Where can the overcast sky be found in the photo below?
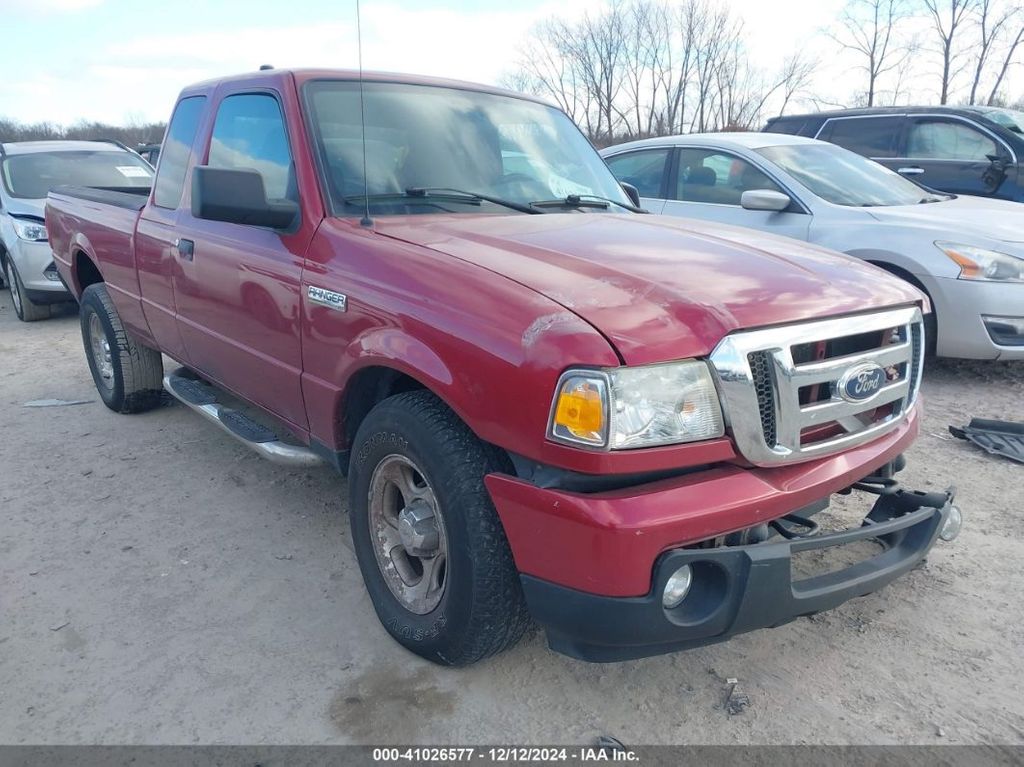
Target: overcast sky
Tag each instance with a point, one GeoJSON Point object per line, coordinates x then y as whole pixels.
{"type": "Point", "coordinates": [118, 60]}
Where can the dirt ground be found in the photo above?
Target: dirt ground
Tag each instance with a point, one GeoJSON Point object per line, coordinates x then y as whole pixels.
{"type": "Point", "coordinates": [161, 584]}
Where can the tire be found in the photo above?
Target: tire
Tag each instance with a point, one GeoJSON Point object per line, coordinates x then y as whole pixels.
{"type": "Point", "coordinates": [128, 375]}
{"type": "Point", "coordinates": [480, 610]}
{"type": "Point", "coordinates": [25, 309]}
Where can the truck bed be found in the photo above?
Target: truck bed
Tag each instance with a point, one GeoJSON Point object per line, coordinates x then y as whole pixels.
{"type": "Point", "coordinates": [100, 223]}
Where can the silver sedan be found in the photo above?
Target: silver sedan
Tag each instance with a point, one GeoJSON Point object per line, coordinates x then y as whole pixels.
{"type": "Point", "coordinates": [966, 253]}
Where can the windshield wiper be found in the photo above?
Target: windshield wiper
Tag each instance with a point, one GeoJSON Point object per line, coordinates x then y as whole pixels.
{"type": "Point", "coordinates": [444, 191]}
{"type": "Point", "coordinates": [584, 201]}
{"type": "Point", "coordinates": [429, 194]}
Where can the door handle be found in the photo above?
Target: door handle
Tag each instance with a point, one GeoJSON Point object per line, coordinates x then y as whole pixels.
{"type": "Point", "coordinates": [186, 249]}
{"type": "Point", "coordinates": [911, 171]}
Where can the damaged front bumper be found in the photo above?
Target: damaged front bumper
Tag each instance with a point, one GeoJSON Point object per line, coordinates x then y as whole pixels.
{"type": "Point", "coordinates": [735, 589]}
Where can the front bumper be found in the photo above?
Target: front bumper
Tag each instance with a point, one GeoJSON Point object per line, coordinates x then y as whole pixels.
{"type": "Point", "coordinates": [736, 589]}
{"type": "Point", "coordinates": [32, 260]}
{"type": "Point", "coordinates": [963, 305]}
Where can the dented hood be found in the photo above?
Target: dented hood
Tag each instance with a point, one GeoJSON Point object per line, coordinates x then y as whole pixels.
{"type": "Point", "coordinates": [659, 288]}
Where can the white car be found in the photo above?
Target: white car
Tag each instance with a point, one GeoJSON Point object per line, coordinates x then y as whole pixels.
{"type": "Point", "coordinates": [28, 170]}
{"type": "Point", "coordinates": [966, 253]}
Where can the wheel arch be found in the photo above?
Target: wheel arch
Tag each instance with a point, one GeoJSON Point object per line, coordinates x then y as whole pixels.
{"type": "Point", "coordinates": [84, 271]}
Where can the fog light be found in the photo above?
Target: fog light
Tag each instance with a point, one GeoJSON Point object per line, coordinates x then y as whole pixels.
{"type": "Point", "coordinates": [1005, 331]}
{"type": "Point", "coordinates": [677, 587]}
{"type": "Point", "coordinates": [50, 273]}
{"type": "Point", "coordinates": [951, 527]}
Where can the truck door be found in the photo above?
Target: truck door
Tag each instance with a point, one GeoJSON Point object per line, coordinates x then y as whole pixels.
{"type": "Point", "coordinates": [156, 233]}
{"type": "Point", "coordinates": [237, 288]}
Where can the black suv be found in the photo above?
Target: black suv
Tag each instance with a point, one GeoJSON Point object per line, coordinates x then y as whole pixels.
{"type": "Point", "coordinates": [963, 150]}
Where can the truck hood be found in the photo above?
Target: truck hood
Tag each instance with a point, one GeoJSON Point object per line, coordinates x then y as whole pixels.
{"type": "Point", "coordinates": [659, 288]}
{"type": "Point", "coordinates": [980, 218]}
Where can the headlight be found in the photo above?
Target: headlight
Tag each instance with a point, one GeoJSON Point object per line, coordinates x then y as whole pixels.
{"type": "Point", "coordinates": [982, 264]}
{"type": "Point", "coordinates": [645, 406]}
{"type": "Point", "coordinates": [27, 229]}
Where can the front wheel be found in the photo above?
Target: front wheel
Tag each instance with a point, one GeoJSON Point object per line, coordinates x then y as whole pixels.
{"type": "Point", "coordinates": [430, 546]}
{"type": "Point", "coordinates": [25, 308]}
{"type": "Point", "coordinates": [128, 375]}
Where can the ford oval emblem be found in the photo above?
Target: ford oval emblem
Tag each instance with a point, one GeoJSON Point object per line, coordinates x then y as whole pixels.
{"type": "Point", "coordinates": [862, 382]}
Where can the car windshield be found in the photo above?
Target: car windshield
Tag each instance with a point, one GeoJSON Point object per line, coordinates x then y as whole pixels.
{"type": "Point", "coordinates": [33, 175]}
{"type": "Point", "coordinates": [459, 151]}
{"type": "Point", "coordinates": [1008, 118]}
{"type": "Point", "coordinates": [845, 178]}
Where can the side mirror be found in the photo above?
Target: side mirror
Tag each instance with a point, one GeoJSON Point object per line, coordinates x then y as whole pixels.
{"type": "Point", "coordinates": [632, 193]}
{"type": "Point", "coordinates": [765, 199]}
{"type": "Point", "coordinates": [238, 197]}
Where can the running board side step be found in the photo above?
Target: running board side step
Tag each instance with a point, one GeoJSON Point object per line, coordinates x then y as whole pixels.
{"type": "Point", "coordinates": [202, 398]}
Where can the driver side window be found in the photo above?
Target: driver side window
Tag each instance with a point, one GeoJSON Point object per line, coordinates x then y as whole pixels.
{"type": "Point", "coordinates": [717, 178]}
{"type": "Point", "coordinates": [644, 169]}
{"type": "Point", "coordinates": [948, 140]}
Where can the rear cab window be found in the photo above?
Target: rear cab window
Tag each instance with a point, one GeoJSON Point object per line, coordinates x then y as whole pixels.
{"type": "Point", "coordinates": [177, 147]}
{"type": "Point", "coordinates": [867, 136]}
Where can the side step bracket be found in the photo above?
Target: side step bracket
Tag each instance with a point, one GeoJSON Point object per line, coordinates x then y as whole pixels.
{"type": "Point", "coordinates": [202, 398]}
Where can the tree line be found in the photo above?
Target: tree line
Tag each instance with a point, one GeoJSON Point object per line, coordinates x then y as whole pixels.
{"type": "Point", "coordinates": [656, 67]}
{"type": "Point", "coordinates": [132, 135]}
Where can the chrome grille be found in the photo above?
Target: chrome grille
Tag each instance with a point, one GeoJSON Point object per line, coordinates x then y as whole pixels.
{"type": "Point", "coordinates": [785, 404]}
{"type": "Point", "coordinates": [761, 370]}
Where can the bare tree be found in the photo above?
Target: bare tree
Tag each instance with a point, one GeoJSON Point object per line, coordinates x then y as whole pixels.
{"type": "Point", "coordinates": [871, 29]}
{"type": "Point", "coordinates": [948, 17]}
{"type": "Point", "coordinates": [646, 67]}
{"type": "Point", "coordinates": [1008, 59]}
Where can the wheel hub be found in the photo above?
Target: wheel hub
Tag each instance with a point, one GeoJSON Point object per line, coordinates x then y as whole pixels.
{"type": "Point", "coordinates": [417, 529]}
{"type": "Point", "coordinates": [101, 351]}
{"type": "Point", "coordinates": [408, 535]}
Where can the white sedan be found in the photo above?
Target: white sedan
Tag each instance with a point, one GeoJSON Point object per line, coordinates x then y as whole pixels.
{"type": "Point", "coordinates": [966, 253]}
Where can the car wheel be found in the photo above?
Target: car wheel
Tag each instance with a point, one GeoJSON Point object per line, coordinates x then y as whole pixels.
{"type": "Point", "coordinates": [24, 307]}
{"type": "Point", "coordinates": [430, 546]}
{"type": "Point", "coordinates": [128, 375]}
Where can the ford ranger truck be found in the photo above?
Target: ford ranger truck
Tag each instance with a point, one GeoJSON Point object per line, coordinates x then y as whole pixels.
{"type": "Point", "coordinates": [550, 407]}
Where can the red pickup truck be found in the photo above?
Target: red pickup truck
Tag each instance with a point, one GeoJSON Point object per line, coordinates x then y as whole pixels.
{"type": "Point", "coordinates": [549, 406]}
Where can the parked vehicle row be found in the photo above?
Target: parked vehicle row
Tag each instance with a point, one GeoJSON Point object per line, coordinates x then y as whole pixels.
{"type": "Point", "coordinates": [550, 405]}
{"type": "Point", "coordinates": [970, 150]}
{"type": "Point", "coordinates": [966, 253]}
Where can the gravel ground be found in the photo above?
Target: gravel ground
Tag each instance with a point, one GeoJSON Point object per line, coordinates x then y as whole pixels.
{"type": "Point", "coordinates": [161, 584]}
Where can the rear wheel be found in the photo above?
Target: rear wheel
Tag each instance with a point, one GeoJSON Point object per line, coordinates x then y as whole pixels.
{"type": "Point", "coordinates": [24, 307]}
{"type": "Point", "coordinates": [430, 546]}
{"type": "Point", "coordinates": [128, 375]}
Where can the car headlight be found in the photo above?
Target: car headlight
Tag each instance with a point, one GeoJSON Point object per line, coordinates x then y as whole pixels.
{"type": "Point", "coordinates": [982, 264]}
{"type": "Point", "coordinates": [621, 408]}
{"type": "Point", "coordinates": [28, 229]}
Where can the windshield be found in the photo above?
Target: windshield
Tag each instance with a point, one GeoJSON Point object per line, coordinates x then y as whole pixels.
{"type": "Point", "coordinates": [33, 175]}
{"type": "Point", "coordinates": [845, 178]}
{"type": "Point", "coordinates": [427, 137]}
{"type": "Point", "coordinates": [1008, 118]}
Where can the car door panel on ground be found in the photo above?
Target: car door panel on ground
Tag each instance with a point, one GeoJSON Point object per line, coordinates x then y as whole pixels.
{"type": "Point", "coordinates": [254, 303]}
{"type": "Point", "coordinates": [709, 183]}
